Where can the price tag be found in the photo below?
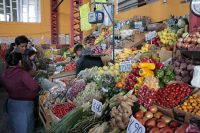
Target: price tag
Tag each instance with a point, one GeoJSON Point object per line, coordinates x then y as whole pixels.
{"type": "Point", "coordinates": [150, 35]}
{"type": "Point", "coordinates": [125, 66]}
{"type": "Point", "coordinates": [97, 106]}
{"type": "Point", "coordinates": [138, 25]}
{"type": "Point", "coordinates": [135, 126]}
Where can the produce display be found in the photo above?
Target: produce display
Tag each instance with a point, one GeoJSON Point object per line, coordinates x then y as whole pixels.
{"type": "Point", "coordinates": [141, 83]}
{"type": "Point", "coordinates": [59, 59]}
{"type": "Point", "coordinates": [120, 114]}
{"type": "Point", "coordinates": [191, 105]}
{"type": "Point", "coordinates": [183, 69]}
{"type": "Point", "coordinates": [90, 92]}
{"type": "Point", "coordinates": [70, 67]}
{"type": "Point", "coordinates": [173, 94]}
{"type": "Point", "coordinates": [167, 37]}
{"type": "Point", "coordinates": [61, 110]}
{"type": "Point", "coordinates": [76, 87]}
{"type": "Point", "coordinates": [165, 75]}
{"type": "Point", "coordinates": [156, 122]}
{"type": "Point", "coordinates": [189, 41]}
{"type": "Point", "coordinates": [146, 96]}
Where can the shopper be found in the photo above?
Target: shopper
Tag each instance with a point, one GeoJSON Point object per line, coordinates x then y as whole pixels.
{"type": "Point", "coordinates": [29, 64]}
{"type": "Point", "coordinates": [21, 43]}
{"type": "Point", "coordinates": [22, 91]}
{"type": "Point", "coordinates": [10, 49]}
{"type": "Point", "coordinates": [78, 49]}
{"type": "Point", "coordinates": [87, 60]}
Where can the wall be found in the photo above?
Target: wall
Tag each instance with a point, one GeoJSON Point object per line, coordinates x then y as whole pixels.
{"type": "Point", "coordinates": [157, 10]}
{"type": "Point", "coordinates": [42, 29]}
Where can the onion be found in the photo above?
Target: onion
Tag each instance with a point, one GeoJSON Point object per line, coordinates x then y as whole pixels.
{"type": "Point", "coordinates": [185, 45]}
{"type": "Point", "coordinates": [139, 114]}
{"type": "Point", "coordinates": [194, 41]}
{"type": "Point", "coordinates": [140, 120]}
{"type": "Point", "coordinates": [153, 109]}
{"type": "Point", "coordinates": [167, 119]}
{"type": "Point", "coordinates": [155, 130]}
{"type": "Point", "coordinates": [158, 115]}
{"type": "Point", "coordinates": [180, 40]}
{"type": "Point", "coordinates": [179, 44]}
{"type": "Point", "coordinates": [150, 122]}
{"type": "Point", "coordinates": [161, 123]}
{"type": "Point", "coordinates": [148, 115]}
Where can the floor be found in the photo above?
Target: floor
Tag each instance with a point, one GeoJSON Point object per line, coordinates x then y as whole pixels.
{"type": "Point", "coordinates": [4, 119]}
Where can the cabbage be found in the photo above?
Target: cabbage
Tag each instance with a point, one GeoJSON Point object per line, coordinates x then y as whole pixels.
{"type": "Point", "coordinates": [181, 23]}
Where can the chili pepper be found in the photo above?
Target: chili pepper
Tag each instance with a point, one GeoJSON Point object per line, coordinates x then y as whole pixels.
{"type": "Point", "coordinates": [150, 66]}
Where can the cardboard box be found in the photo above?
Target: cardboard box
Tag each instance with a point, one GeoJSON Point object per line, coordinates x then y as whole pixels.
{"type": "Point", "coordinates": [187, 117]}
{"type": "Point", "coordinates": [164, 55]}
{"type": "Point", "coordinates": [137, 40]}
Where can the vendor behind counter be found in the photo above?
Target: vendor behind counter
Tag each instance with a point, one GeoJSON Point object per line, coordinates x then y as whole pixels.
{"type": "Point", "coordinates": [88, 60]}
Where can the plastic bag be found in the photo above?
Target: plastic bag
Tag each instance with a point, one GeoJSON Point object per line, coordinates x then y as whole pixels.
{"type": "Point", "coordinates": [196, 75]}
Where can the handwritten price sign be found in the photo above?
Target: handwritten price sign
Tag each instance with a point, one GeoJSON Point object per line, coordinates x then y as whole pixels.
{"type": "Point", "coordinates": [134, 126]}
{"type": "Point", "coordinates": [97, 106]}
{"type": "Point", "coordinates": [150, 35]}
{"type": "Point", "coordinates": [125, 66]}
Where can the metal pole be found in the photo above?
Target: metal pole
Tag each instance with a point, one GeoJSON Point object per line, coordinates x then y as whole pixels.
{"type": "Point", "coordinates": [113, 39]}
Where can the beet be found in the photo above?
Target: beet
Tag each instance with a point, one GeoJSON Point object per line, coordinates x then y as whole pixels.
{"type": "Point", "coordinates": [183, 66]}
{"type": "Point", "coordinates": [190, 67]}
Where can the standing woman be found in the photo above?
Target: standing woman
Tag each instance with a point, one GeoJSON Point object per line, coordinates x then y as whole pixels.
{"type": "Point", "coordinates": [22, 90]}
{"type": "Point", "coordinates": [29, 64]}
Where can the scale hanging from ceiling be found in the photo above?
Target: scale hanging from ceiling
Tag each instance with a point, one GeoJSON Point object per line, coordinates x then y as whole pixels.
{"type": "Point", "coordinates": [195, 7]}
{"type": "Point", "coordinates": [194, 16]}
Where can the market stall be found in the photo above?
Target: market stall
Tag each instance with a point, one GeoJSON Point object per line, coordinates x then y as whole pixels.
{"type": "Point", "coordinates": [137, 90]}
{"type": "Point", "coordinates": [152, 86]}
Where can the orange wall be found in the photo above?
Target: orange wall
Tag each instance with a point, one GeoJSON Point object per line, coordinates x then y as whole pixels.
{"type": "Point", "coordinates": [42, 29]}
{"type": "Point", "coordinates": [157, 10]}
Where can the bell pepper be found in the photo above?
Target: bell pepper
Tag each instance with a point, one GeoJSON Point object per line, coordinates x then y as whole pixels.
{"type": "Point", "coordinates": [161, 84]}
{"type": "Point", "coordinates": [159, 66]}
{"type": "Point", "coordinates": [145, 72]}
{"type": "Point", "coordinates": [134, 65]}
{"type": "Point", "coordinates": [160, 73]}
{"type": "Point", "coordinates": [140, 80]}
{"type": "Point", "coordinates": [148, 60]}
{"type": "Point", "coordinates": [172, 76]}
{"type": "Point", "coordinates": [150, 66]}
{"type": "Point", "coordinates": [137, 86]}
{"type": "Point", "coordinates": [166, 79]}
{"type": "Point", "coordinates": [168, 70]}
